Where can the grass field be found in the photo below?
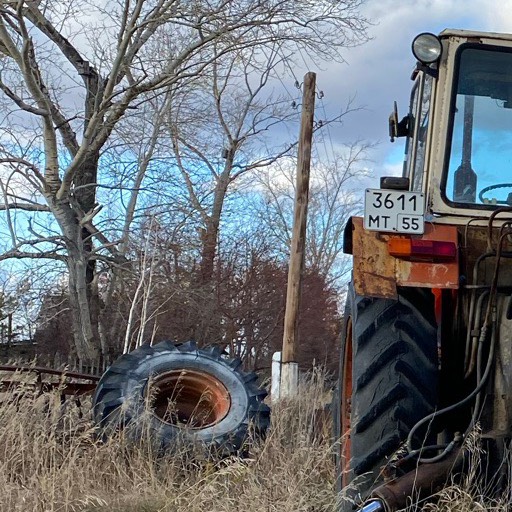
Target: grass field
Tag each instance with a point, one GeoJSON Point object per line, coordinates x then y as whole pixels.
{"type": "Point", "coordinates": [50, 461]}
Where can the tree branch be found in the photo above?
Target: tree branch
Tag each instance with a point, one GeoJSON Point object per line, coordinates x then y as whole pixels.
{"type": "Point", "coordinates": [16, 99]}
{"type": "Point", "coordinates": [16, 254]}
{"type": "Point", "coordinates": [28, 207]}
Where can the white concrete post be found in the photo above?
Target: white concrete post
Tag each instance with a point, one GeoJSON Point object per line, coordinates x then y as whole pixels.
{"type": "Point", "coordinates": [275, 385]}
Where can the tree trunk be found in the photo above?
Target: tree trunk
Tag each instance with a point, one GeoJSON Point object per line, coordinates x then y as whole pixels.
{"type": "Point", "coordinates": [112, 321]}
{"type": "Point", "coordinates": [77, 261]}
{"type": "Point", "coordinates": [85, 195]}
{"type": "Point", "coordinates": [86, 342]}
{"type": "Point", "coordinates": [209, 250]}
{"type": "Point", "coordinates": [211, 234]}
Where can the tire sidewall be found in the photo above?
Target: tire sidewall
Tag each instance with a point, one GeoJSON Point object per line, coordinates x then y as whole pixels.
{"type": "Point", "coordinates": [135, 387]}
{"type": "Point", "coordinates": [340, 468]}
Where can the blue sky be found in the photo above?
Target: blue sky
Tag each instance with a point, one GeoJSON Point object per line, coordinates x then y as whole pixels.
{"type": "Point", "coordinates": [378, 72]}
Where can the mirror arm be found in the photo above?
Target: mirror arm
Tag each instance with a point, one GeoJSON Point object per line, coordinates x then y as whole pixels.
{"type": "Point", "coordinates": [433, 72]}
{"type": "Point", "coordinates": [399, 129]}
{"type": "Point", "coordinates": [403, 127]}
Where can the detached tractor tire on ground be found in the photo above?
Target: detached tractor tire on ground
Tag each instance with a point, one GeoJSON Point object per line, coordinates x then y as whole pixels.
{"type": "Point", "coordinates": [388, 382]}
{"type": "Point", "coordinates": [185, 394]}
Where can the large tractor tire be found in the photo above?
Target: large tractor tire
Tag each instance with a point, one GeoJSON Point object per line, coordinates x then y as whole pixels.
{"type": "Point", "coordinates": [388, 382]}
{"type": "Point", "coordinates": [185, 394]}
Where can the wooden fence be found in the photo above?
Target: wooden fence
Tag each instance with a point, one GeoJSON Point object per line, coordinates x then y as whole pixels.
{"type": "Point", "coordinates": [97, 367]}
{"type": "Point", "coordinates": [26, 353]}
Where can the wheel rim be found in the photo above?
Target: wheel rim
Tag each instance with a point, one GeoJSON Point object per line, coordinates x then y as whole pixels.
{"type": "Point", "coordinates": [188, 398]}
{"type": "Point", "coordinates": [345, 409]}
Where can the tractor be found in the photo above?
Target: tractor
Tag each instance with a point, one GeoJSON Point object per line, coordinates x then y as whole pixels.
{"type": "Point", "coordinates": [426, 347]}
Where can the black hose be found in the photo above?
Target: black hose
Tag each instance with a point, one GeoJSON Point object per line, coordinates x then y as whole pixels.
{"type": "Point", "coordinates": [489, 321]}
{"type": "Point", "coordinates": [452, 407]}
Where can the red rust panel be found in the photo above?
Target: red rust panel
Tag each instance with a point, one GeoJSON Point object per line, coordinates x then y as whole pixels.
{"type": "Point", "coordinates": [431, 275]}
{"type": "Point", "coordinates": [374, 268]}
{"type": "Point", "coordinates": [377, 273]}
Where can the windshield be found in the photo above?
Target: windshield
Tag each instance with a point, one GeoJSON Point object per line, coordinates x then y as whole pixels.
{"type": "Point", "coordinates": [480, 157]}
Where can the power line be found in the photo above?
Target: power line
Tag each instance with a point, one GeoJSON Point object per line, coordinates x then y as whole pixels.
{"type": "Point", "coordinates": [326, 129]}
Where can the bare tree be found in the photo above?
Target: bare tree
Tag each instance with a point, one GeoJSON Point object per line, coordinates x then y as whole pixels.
{"type": "Point", "coordinates": [333, 199]}
{"type": "Point", "coordinates": [70, 72]}
{"type": "Point", "coordinates": [234, 129]}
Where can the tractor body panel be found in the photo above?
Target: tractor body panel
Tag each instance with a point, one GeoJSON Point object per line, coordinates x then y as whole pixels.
{"type": "Point", "coordinates": [377, 274]}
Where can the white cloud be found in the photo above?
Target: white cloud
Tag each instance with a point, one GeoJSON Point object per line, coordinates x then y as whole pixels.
{"type": "Point", "coordinates": [378, 72]}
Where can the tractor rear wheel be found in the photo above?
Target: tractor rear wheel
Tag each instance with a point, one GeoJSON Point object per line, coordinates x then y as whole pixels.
{"type": "Point", "coordinates": [388, 382]}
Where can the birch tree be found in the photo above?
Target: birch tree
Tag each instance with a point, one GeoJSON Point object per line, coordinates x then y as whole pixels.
{"type": "Point", "coordinates": [71, 72]}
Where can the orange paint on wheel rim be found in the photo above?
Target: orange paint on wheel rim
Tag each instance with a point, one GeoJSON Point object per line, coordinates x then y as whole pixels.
{"type": "Point", "coordinates": [189, 398]}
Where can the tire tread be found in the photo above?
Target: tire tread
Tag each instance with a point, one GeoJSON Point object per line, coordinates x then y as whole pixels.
{"type": "Point", "coordinates": [395, 374]}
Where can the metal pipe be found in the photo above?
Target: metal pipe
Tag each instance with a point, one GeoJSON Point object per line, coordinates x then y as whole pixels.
{"type": "Point", "coordinates": [469, 364]}
{"type": "Point", "coordinates": [49, 371]}
{"type": "Point", "coordinates": [373, 506]}
{"type": "Point", "coordinates": [507, 209]}
{"type": "Point", "coordinates": [421, 482]}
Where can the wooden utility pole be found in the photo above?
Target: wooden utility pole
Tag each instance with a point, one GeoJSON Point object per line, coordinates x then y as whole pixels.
{"type": "Point", "coordinates": [289, 373]}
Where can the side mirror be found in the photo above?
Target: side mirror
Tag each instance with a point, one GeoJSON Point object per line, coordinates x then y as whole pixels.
{"type": "Point", "coordinates": [398, 129]}
{"type": "Point", "coordinates": [393, 123]}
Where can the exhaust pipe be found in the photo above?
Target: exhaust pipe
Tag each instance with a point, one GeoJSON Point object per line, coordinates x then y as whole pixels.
{"type": "Point", "coordinates": [373, 506]}
{"type": "Point", "coordinates": [421, 482]}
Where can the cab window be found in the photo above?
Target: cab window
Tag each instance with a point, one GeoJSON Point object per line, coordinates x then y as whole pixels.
{"type": "Point", "coordinates": [419, 114]}
{"type": "Point", "coordinates": [478, 169]}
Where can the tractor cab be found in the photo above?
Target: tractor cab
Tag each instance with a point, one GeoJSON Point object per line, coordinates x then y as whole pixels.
{"type": "Point", "coordinates": [426, 356]}
{"type": "Point", "coordinates": [459, 136]}
{"type": "Point", "coordinates": [457, 167]}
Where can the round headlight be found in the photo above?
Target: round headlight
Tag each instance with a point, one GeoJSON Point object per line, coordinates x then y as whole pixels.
{"type": "Point", "coordinates": [426, 48]}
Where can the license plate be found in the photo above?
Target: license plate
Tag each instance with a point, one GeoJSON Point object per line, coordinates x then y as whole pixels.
{"type": "Point", "coordinates": [394, 211]}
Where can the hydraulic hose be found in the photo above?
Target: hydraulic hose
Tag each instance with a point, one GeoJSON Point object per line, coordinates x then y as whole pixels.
{"type": "Point", "coordinates": [489, 322]}
{"type": "Point", "coordinates": [450, 408]}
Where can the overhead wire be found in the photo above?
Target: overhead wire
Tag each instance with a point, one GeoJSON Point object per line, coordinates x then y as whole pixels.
{"type": "Point", "coordinates": [320, 95]}
{"type": "Point", "coordinates": [325, 132]}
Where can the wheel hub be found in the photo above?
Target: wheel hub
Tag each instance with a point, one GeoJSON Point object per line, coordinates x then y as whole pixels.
{"type": "Point", "coordinates": [188, 398]}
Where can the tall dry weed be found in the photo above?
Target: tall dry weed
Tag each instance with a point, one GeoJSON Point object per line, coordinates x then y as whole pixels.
{"type": "Point", "coordinates": [51, 461]}
{"type": "Point", "coordinates": [473, 492]}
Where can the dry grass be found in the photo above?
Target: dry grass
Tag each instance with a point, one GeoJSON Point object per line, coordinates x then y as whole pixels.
{"type": "Point", "coordinates": [472, 493]}
{"type": "Point", "coordinates": [50, 461]}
